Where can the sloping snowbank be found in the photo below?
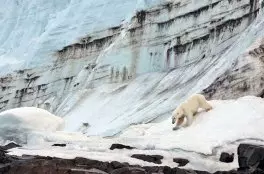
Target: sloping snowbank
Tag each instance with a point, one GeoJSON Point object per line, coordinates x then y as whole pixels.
{"type": "Point", "coordinates": [18, 124]}
{"type": "Point", "coordinates": [110, 108]}
{"type": "Point", "coordinates": [229, 123]}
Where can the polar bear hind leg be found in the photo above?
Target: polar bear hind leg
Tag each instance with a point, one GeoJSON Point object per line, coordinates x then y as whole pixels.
{"type": "Point", "coordinates": [204, 104]}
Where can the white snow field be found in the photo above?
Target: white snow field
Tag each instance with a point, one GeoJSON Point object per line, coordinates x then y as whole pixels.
{"type": "Point", "coordinates": [229, 122]}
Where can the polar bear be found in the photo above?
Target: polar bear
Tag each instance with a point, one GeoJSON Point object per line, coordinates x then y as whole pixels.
{"type": "Point", "coordinates": [188, 109]}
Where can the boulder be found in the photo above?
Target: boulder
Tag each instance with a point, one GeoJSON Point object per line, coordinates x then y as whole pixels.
{"type": "Point", "coordinates": [120, 146]}
{"type": "Point", "coordinates": [149, 158]}
{"type": "Point", "coordinates": [226, 157]}
{"type": "Point", "coordinates": [182, 162]}
{"type": "Point", "coordinates": [250, 157]}
{"type": "Point", "coordinates": [59, 145]}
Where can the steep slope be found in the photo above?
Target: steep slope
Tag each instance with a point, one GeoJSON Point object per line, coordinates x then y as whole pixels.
{"type": "Point", "coordinates": [136, 71]}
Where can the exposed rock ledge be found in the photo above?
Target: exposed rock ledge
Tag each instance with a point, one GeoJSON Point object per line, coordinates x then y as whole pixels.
{"type": "Point", "coordinates": [250, 159]}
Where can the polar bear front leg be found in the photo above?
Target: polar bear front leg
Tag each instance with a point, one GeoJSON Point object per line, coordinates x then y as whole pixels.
{"type": "Point", "coordinates": [207, 106]}
{"type": "Point", "coordinates": [189, 119]}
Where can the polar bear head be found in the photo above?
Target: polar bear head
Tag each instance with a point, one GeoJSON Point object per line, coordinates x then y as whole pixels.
{"type": "Point", "coordinates": [178, 116]}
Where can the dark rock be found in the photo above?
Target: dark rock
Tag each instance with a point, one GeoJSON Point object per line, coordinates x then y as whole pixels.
{"type": "Point", "coordinates": [4, 168]}
{"type": "Point", "coordinates": [250, 157]}
{"type": "Point", "coordinates": [90, 171]}
{"type": "Point", "coordinates": [153, 169]}
{"type": "Point", "coordinates": [168, 170]}
{"type": "Point", "coordinates": [59, 145]}
{"type": "Point", "coordinates": [120, 146]}
{"type": "Point", "coordinates": [129, 170]}
{"type": "Point", "coordinates": [4, 158]}
{"type": "Point", "coordinates": [201, 172]}
{"type": "Point", "coordinates": [117, 165]}
{"type": "Point", "coordinates": [230, 172]}
{"type": "Point", "coordinates": [9, 146]}
{"type": "Point", "coordinates": [149, 158]}
{"type": "Point", "coordinates": [226, 158]}
{"type": "Point", "coordinates": [182, 162]}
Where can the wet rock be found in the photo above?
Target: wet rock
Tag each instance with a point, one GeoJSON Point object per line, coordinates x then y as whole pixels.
{"type": "Point", "coordinates": [90, 171]}
{"type": "Point", "coordinates": [149, 158]}
{"type": "Point", "coordinates": [168, 170]}
{"type": "Point", "coordinates": [182, 162]}
{"type": "Point", "coordinates": [129, 170]}
{"type": "Point", "coordinates": [226, 157]}
{"type": "Point", "coordinates": [120, 146]}
{"type": "Point", "coordinates": [250, 157]}
{"type": "Point", "coordinates": [59, 145]}
{"type": "Point", "coordinates": [116, 164]}
{"type": "Point", "coordinates": [231, 172]}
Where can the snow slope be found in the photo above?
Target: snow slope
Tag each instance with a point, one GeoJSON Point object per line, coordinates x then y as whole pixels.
{"type": "Point", "coordinates": [229, 123]}
{"type": "Point", "coordinates": [109, 108]}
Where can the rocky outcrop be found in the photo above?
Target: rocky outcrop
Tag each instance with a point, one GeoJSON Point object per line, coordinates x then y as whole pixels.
{"type": "Point", "coordinates": [40, 165]}
{"type": "Point", "coordinates": [250, 159]}
{"type": "Point", "coordinates": [244, 78]}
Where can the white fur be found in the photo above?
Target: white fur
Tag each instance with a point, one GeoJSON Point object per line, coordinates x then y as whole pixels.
{"type": "Point", "coordinates": [188, 109]}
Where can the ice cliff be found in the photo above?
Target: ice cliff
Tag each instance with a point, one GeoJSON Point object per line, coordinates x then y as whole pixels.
{"type": "Point", "coordinates": [113, 63]}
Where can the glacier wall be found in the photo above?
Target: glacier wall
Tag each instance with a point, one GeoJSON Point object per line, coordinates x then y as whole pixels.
{"type": "Point", "coordinates": [31, 30]}
{"type": "Point", "coordinates": [137, 70]}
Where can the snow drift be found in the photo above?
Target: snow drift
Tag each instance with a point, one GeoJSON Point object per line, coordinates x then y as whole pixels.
{"type": "Point", "coordinates": [18, 124]}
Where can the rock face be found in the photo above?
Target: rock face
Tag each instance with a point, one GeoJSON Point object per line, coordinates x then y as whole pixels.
{"type": "Point", "coordinates": [166, 37]}
{"type": "Point", "coordinates": [245, 77]}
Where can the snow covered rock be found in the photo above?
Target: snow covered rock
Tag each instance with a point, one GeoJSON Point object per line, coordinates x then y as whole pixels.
{"type": "Point", "coordinates": [17, 124]}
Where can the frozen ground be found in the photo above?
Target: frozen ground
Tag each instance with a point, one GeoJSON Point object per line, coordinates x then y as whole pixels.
{"type": "Point", "coordinates": [229, 123]}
